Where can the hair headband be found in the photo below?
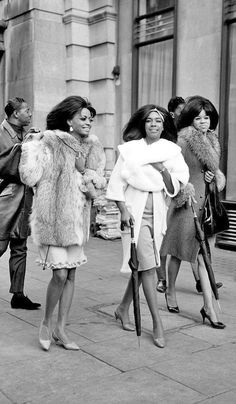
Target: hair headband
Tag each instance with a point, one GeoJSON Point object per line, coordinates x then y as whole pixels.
{"type": "Point", "coordinates": [158, 112]}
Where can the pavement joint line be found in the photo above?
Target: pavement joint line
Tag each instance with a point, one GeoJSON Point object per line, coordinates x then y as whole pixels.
{"type": "Point", "coordinates": [205, 396]}
{"type": "Point", "coordinates": [8, 398]}
{"type": "Point", "coordinates": [101, 360]}
{"type": "Point", "coordinates": [19, 318]}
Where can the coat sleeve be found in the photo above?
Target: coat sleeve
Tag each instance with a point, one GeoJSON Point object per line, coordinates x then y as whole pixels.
{"type": "Point", "coordinates": [187, 189]}
{"type": "Point", "coordinates": [95, 166]}
{"type": "Point", "coordinates": [117, 186]}
{"type": "Point", "coordinates": [34, 159]}
{"type": "Point", "coordinates": [179, 174]}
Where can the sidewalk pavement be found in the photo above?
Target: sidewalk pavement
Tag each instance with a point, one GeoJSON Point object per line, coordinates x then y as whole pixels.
{"type": "Point", "coordinates": [198, 364]}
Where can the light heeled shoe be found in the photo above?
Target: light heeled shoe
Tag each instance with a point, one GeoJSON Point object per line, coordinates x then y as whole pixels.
{"type": "Point", "coordinates": [44, 343]}
{"type": "Point", "coordinates": [125, 326]}
{"type": "Point", "coordinates": [159, 342]}
{"type": "Point", "coordinates": [72, 346]}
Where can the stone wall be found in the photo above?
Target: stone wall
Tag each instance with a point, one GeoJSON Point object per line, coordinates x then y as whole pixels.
{"type": "Point", "coordinates": [199, 48]}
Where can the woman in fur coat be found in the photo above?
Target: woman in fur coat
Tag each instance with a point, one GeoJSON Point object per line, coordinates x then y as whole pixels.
{"type": "Point", "coordinates": [201, 150]}
{"type": "Point", "coordinates": [149, 171]}
{"type": "Point", "coordinates": [65, 166]}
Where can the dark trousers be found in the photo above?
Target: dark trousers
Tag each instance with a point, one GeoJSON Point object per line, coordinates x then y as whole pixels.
{"type": "Point", "coordinates": [17, 262]}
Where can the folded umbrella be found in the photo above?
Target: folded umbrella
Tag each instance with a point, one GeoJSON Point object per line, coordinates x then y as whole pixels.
{"type": "Point", "coordinates": [133, 263]}
{"type": "Point", "coordinates": [205, 252]}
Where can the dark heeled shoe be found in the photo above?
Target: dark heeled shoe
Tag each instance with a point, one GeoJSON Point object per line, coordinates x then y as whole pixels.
{"type": "Point", "coordinates": [172, 309]}
{"type": "Point", "coordinates": [218, 324]}
{"type": "Point", "coordinates": [161, 286]}
{"type": "Point", "coordinates": [127, 326]}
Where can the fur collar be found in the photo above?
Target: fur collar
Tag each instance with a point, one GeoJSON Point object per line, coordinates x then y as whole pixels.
{"type": "Point", "coordinates": [205, 147]}
{"type": "Point", "coordinates": [80, 146]}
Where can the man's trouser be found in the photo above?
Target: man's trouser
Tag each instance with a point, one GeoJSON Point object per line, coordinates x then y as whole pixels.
{"type": "Point", "coordinates": [17, 262]}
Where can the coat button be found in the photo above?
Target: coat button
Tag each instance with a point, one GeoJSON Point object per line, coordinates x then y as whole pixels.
{"type": "Point", "coordinates": [202, 171]}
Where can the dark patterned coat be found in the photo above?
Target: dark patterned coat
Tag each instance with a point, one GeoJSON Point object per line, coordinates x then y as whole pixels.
{"type": "Point", "coordinates": [15, 199]}
{"type": "Point", "coordinates": [201, 153]}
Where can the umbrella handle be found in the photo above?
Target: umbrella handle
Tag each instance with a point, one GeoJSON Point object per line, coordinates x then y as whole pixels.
{"type": "Point", "coordinates": [131, 228]}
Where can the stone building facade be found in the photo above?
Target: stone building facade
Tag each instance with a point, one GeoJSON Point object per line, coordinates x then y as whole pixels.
{"type": "Point", "coordinates": [121, 54]}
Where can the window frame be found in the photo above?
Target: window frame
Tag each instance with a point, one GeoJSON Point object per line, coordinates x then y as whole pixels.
{"type": "Point", "coordinates": [135, 48]}
{"type": "Point", "coordinates": [227, 20]}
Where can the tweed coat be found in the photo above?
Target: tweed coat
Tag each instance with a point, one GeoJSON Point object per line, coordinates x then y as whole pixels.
{"type": "Point", "coordinates": [16, 198]}
{"type": "Point", "coordinates": [48, 163]}
{"type": "Point", "coordinates": [201, 153]}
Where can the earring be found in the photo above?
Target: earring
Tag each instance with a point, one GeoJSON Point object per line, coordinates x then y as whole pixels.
{"type": "Point", "coordinates": [71, 129]}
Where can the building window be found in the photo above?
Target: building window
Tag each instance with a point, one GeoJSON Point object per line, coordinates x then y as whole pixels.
{"type": "Point", "coordinates": [153, 59]}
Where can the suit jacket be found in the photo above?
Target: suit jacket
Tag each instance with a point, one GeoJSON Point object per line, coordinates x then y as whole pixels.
{"type": "Point", "coordinates": [16, 198]}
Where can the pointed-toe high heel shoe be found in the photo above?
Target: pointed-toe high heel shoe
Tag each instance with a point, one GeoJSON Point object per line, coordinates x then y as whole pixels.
{"type": "Point", "coordinates": [72, 346]}
{"type": "Point", "coordinates": [125, 326]}
{"type": "Point", "coordinates": [44, 343]}
{"type": "Point", "coordinates": [217, 324]}
{"type": "Point", "coordinates": [172, 309]}
{"type": "Point", "coordinates": [159, 342]}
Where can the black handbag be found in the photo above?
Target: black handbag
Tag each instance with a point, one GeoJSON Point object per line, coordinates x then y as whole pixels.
{"type": "Point", "coordinates": [215, 218]}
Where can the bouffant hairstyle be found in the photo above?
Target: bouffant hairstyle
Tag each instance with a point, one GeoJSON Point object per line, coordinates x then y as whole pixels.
{"type": "Point", "coordinates": [135, 128]}
{"type": "Point", "coordinates": [194, 105]}
{"type": "Point", "coordinates": [65, 110]}
{"type": "Point", "coordinates": [174, 103]}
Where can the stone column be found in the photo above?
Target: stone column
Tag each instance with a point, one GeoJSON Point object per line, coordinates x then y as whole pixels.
{"type": "Point", "coordinates": [91, 55]}
{"type": "Point", "coordinates": [35, 54]}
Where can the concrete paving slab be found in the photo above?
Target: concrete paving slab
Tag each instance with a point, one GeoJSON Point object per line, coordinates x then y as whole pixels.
{"type": "Point", "coordinates": [124, 353]}
{"type": "Point", "coordinates": [134, 387]}
{"type": "Point", "coordinates": [96, 330]}
{"type": "Point", "coordinates": [229, 397]}
{"type": "Point", "coordinates": [203, 371]}
{"type": "Point", "coordinates": [4, 399]}
{"type": "Point", "coordinates": [215, 336]}
{"type": "Point", "coordinates": [49, 374]}
{"type": "Point", "coordinates": [197, 366]}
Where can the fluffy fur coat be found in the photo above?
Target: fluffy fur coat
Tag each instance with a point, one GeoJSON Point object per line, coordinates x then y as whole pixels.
{"type": "Point", "coordinates": [206, 148]}
{"type": "Point", "coordinates": [48, 164]}
{"type": "Point", "coordinates": [201, 153]}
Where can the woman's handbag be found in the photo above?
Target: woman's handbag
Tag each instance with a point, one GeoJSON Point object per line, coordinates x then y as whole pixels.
{"type": "Point", "coordinates": [215, 218]}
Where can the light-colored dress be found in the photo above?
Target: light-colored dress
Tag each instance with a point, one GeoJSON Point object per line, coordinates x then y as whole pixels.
{"type": "Point", "coordinates": [146, 248]}
{"type": "Point", "coordinates": [52, 257]}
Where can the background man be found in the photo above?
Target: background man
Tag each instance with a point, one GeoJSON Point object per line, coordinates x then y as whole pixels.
{"type": "Point", "coordinates": [15, 205]}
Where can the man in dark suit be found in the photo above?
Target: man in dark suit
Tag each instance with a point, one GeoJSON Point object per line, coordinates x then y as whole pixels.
{"type": "Point", "coordinates": [15, 205]}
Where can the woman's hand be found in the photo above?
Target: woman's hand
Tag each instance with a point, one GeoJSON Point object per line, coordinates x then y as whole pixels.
{"type": "Point", "coordinates": [209, 176]}
{"type": "Point", "coordinates": [125, 219]}
{"type": "Point", "coordinates": [125, 216]}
